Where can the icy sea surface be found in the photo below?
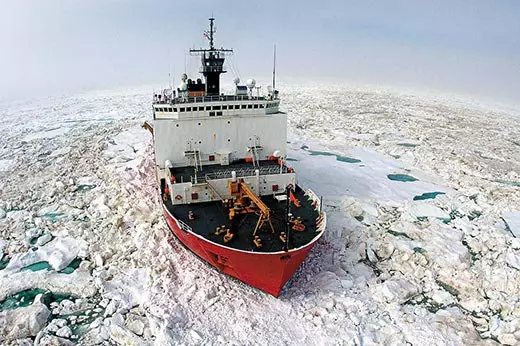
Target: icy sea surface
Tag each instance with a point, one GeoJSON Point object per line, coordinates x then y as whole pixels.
{"type": "Point", "coordinates": [422, 247]}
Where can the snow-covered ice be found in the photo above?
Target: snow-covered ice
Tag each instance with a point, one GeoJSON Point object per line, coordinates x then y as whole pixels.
{"type": "Point", "coordinates": [422, 197]}
{"type": "Point", "coordinates": [512, 220]}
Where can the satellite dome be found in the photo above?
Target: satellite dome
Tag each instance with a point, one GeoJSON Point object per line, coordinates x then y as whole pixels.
{"type": "Point", "coordinates": [251, 82]}
{"type": "Point", "coordinates": [236, 80]}
{"type": "Point", "coordinates": [183, 86]}
{"type": "Point", "coordinates": [184, 76]}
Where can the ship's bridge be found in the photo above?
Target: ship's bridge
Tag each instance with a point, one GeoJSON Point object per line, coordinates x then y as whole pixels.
{"type": "Point", "coordinates": [209, 106]}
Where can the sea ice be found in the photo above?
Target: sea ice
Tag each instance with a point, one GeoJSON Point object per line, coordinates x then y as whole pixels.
{"type": "Point", "coordinates": [23, 322]}
{"type": "Point", "coordinates": [379, 275]}
{"type": "Point", "coordinates": [512, 219]}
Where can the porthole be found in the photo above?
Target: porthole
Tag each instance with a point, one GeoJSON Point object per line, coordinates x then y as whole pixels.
{"type": "Point", "coordinates": [229, 139]}
{"type": "Point", "coordinates": [177, 125]}
{"type": "Point", "coordinates": [229, 122]}
{"type": "Point", "coordinates": [199, 124]}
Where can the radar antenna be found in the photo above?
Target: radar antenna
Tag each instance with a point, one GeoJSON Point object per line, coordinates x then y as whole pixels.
{"type": "Point", "coordinates": [274, 68]}
{"type": "Point", "coordinates": [212, 61]}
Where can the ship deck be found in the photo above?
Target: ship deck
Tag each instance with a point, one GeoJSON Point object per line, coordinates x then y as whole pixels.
{"type": "Point", "coordinates": [210, 215]}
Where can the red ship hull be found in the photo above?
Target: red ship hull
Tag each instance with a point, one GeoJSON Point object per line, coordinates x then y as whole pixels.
{"type": "Point", "coordinates": [266, 271]}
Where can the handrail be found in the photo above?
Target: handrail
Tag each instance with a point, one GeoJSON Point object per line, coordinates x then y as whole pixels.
{"type": "Point", "coordinates": [214, 98]}
{"type": "Point", "coordinates": [242, 172]}
{"type": "Point", "coordinates": [183, 225]}
{"type": "Point", "coordinates": [212, 188]}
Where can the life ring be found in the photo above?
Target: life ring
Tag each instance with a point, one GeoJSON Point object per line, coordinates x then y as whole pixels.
{"type": "Point", "coordinates": [178, 197]}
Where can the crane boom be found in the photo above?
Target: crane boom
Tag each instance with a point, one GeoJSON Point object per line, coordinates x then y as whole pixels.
{"type": "Point", "coordinates": [255, 199]}
{"type": "Point", "coordinates": [239, 190]}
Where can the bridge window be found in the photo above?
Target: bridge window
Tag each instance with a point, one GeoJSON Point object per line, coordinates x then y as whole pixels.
{"type": "Point", "coordinates": [219, 113]}
{"type": "Point", "coordinates": [216, 108]}
{"type": "Point", "coordinates": [188, 109]}
{"type": "Point", "coordinates": [211, 114]}
{"type": "Point", "coordinates": [256, 106]}
{"type": "Point", "coordinates": [224, 108]}
{"type": "Point", "coordinates": [262, 106]}
{"type": "Point", "coordinates": [208, 108]}
{"type": "Point", "coordinates": [175, 109]}
{"type": "Point", "coordinates": [237, 106]}
{"type": "Point", "coordinates": [181, 109]}
{"type": "Point", "coordinates": [244, 106]}
{"type": "Point", "coordinates": [249, 106]}
{"type": "Point", "coordinates": [201, 109]}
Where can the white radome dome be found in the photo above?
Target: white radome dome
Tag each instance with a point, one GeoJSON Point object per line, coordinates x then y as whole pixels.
{"type": "Point", "coordinates": [251, 82]}
{"type": "Point", "coordinates": [183, 86]}
{"type": "Point", "coordinates": [236, 80]}
{"type": "Point", "coordinates": [184, 76]}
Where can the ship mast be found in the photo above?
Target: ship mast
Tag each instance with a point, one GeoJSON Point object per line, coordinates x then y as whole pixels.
{"type": "Point", "coordinates": [212, 61]}
{"type": "Point", "coordinates": [274, 68]}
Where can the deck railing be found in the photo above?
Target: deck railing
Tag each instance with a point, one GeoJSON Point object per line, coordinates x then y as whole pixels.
{"type": "Point", "coordinates": [183, 225]}
{"type": "Point", "coordinates": [215, 98]}
{"type": "Point", "coordinates": [244, 172]}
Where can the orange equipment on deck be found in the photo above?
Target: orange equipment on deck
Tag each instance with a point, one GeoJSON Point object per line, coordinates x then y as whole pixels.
{"type": "Point", "coordinates": [246, 202]}
{"type": "Point", "coordinates": [294, 200]}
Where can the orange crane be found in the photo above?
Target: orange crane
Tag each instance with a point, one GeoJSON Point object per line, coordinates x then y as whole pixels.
{"type": "Point", "coordinates": [247, 202]}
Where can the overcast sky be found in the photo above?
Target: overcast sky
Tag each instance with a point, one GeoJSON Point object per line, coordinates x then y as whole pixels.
{"type": "Point", "coordinates": [57, 46]}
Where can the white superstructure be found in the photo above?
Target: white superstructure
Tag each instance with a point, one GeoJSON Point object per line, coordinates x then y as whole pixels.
{"type": "Point", "coordinates": [203, 138]}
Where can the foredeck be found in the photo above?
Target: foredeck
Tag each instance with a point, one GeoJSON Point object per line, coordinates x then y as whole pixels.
{"type": "Point", "coordinates": [208, 216]}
